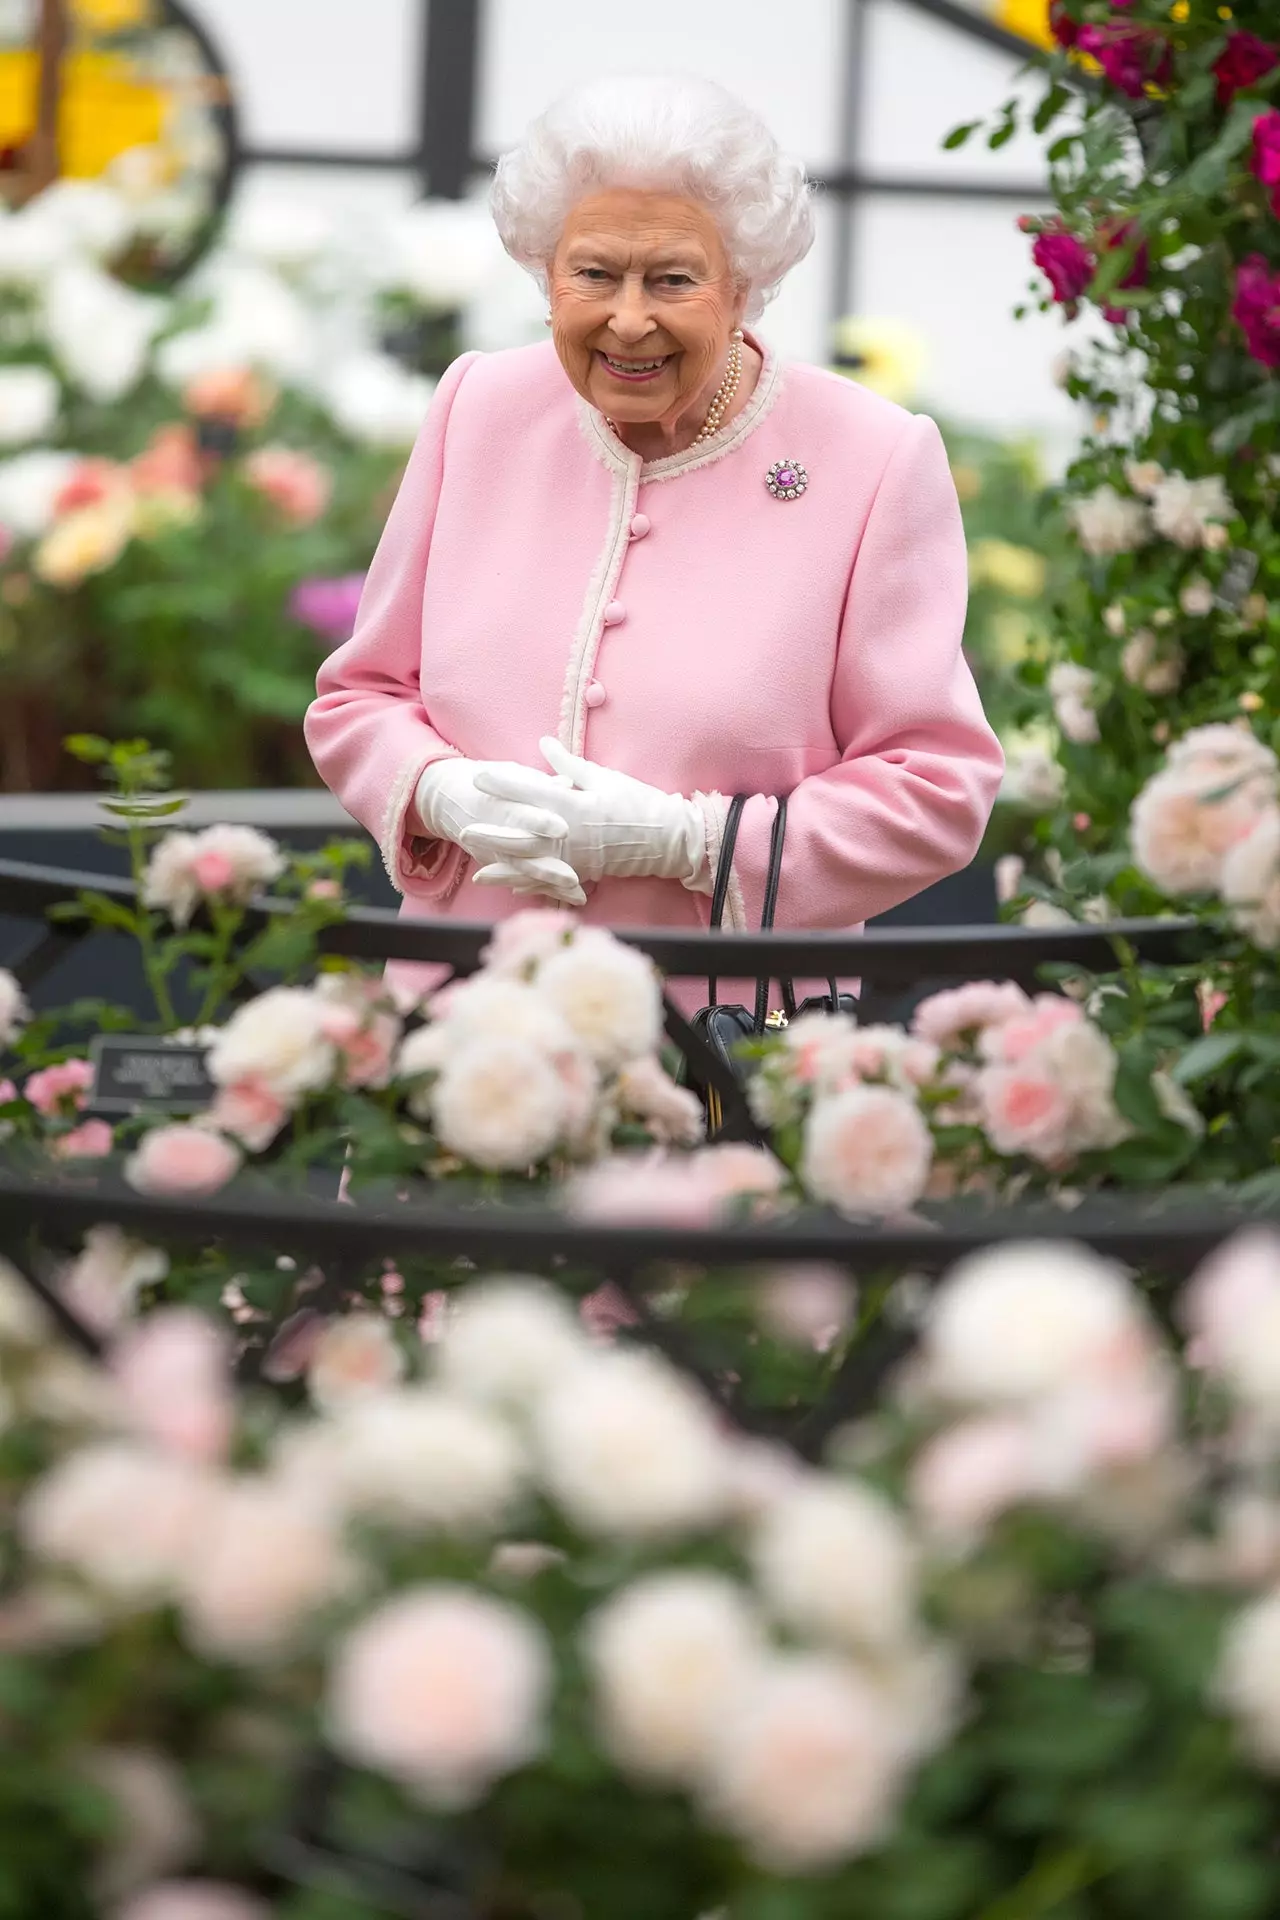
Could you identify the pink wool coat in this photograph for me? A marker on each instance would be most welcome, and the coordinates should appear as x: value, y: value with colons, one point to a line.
x: 677, y: 622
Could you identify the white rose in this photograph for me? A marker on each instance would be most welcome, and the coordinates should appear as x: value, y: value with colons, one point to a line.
x: 100, y: 331
x: 418, y: 1458
x: 1183, y: 509
x: 499, y: 1104
x: 31, y: 247
x: 442, y: 252
x: 669, y: 1657
x: 867, y: 1151
x: 1014, y: 1324
x: 376, y: 400
x: 29, y: 487
x: 24, y: 1321
x: 223, y: 862
x: 1034, y: 779
x: 1144, y: 476
x: 834, y: 1561
x: 484, y: 1008
x: 442, y: 1688
x: 353, y: 1356
x: 1144, y: 664
x: 1248, y: 1677
x: 672, y: 1114
x: 30, y: 398
x: 124, y: 1517
x: 807, y: 1772
x: 1106, y: 522
x: 102, y: 1285
x: 629, y: 1448
x: 93, y: 219
x: 281, y: 233
x: 508, y: 1341
x: 1196, y: 596
x: 609, y: 994
x: 14, y: 1011
x: 277, y: 1040
x: 1188, y: 818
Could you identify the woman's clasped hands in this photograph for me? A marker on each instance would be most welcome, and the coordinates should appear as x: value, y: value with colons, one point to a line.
x: 549, y: 833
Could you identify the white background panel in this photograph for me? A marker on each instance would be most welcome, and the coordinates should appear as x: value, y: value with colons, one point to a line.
x: 784, y: 60
x: 321, y: 73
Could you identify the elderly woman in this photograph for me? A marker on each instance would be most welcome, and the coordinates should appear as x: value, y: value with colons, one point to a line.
x: 646, y: 566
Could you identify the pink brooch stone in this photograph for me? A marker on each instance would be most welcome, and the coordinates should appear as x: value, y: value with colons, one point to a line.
x: 786, y: 479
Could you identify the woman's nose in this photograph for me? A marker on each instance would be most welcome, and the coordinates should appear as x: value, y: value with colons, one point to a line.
x: 631, y: 319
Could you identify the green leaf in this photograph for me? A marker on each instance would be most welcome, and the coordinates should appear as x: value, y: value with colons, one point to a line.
x: 958, y: 135
x: 88, y: 748
x: 1002, y: 136
x: 1205, y: 1056
x: 1050, y: 107
x: 1134, y: 1093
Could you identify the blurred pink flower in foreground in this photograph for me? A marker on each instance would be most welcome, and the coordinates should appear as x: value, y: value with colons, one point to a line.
x: 328, y: 606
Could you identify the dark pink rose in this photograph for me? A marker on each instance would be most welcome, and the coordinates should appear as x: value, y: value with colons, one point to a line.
x: 1243, y: 60
x: 1132, y: 58
x: 1065, y: 30
x: 1256, y: 309
x: 1266, y: 153
x: 1065, y: 262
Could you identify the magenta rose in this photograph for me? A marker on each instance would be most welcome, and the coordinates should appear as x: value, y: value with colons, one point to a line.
x: 1065, y: 262
x: 1266, y: 154
x: 1256, y: 309
x: 1064, y: 29
x: 328, y: 607
x: 1132, y: 58
x: 1243, y: 60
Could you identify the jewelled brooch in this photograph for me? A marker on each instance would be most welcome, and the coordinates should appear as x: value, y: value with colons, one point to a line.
x: 786, y: 479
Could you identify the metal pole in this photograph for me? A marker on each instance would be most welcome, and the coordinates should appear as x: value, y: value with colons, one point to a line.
x: 43, y: 157
x: 447, y: 100
x: 843, y: 271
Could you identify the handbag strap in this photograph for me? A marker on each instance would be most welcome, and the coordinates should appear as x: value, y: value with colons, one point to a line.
x: 724, y: 871
x: 773, y: 880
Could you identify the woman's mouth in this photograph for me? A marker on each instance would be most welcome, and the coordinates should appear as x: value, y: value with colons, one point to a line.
x: 633, y: 369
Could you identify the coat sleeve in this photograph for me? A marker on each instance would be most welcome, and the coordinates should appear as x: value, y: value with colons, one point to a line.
x: 368, y: 730
x: 910, y: 797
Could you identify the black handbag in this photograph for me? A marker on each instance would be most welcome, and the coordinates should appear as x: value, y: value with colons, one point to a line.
x: 724, y: 1028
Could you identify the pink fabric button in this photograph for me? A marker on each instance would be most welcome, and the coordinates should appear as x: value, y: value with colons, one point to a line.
x: 595, y: 694
x: 614, y: 614
x: 640, y: 524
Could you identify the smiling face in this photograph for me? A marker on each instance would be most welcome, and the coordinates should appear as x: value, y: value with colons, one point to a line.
x: 643, y: 306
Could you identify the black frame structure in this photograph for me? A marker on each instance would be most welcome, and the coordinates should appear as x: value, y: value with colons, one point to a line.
x: 444, y: 158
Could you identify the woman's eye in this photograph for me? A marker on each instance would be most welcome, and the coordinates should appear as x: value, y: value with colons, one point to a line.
x: 677, y: 280
x: 594, y: 274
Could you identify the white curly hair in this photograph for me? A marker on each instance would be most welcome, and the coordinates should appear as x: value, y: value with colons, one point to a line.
x: 671, y: 134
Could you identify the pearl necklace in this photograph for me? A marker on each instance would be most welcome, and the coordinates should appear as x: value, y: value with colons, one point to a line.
x: 721, y: 400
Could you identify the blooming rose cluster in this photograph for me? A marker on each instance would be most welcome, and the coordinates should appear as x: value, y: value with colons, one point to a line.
x: 1192, y: 514
x: 1209, y: 823
x: 222, y: 863
x: 790, y: 1704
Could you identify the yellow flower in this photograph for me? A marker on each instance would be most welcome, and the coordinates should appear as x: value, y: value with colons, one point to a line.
x: 1011, y: 632
x: 884, y: 355
x: 164, y: 509
x: 1014, y: 570
x: 112, y: 16
x: 1029, y: 19
x: 89, y: 540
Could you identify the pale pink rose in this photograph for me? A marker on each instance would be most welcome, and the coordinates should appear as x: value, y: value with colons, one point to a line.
x: 297, y: 486
x: 91, y: 1140
x: 173, y: 1372
x: 193, y: 1900
x: 102, y: 1285
x: 1010, y: 871
x: 60, y: 1091
x: 443, y: 1688
x: 805, y: 1305
x: 585, y: 1118
x: 14, y: 1011
x: 223, y: 862
x: 1191, y: 814
x: 365, y: 1044
x: 499, y: 1104
x: 248, y: 1111
x: 1024, y: 1109
x: 739, y: 1172
x: 1250, y: 880
x: 867, y: 1151
x: 182, y: 1160
x: 263, y: 1564
x: 1014, y: 1038
x: 886, y: 1053
x: 642, y: 1190
x: 609, y: 994
x: 353, y: 1357
x: 605, y: 1312
x: 323, y: 890
x: 807, y: 1769
x: 520, y: 943
x: 971, y: 1473
x: 819, y: 1050
x: 1231, y: 1310
x: 672, y: 1114
x: 276, y: 1041
x: 960, y: 1012
x: 1211, y: 1001
x: 123, y: 1516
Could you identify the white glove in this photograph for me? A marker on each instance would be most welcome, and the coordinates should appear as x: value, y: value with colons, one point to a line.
x: 455, y: 797
x: 616, y: 826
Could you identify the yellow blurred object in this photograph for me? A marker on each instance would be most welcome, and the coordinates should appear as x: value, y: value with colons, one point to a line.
x: 112, y: 16
x: 105, y: 109
x: 1012, y: 633
x: 884, y: 355
x: 1014, y: 570
x: 1180, y: 11
x: 968, y: 481
x: 1029, y: 19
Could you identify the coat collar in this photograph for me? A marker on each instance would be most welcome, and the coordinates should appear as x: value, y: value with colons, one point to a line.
x: 619, y: 459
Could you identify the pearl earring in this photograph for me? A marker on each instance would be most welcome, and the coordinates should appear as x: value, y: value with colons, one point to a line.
x: 547, y: 321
